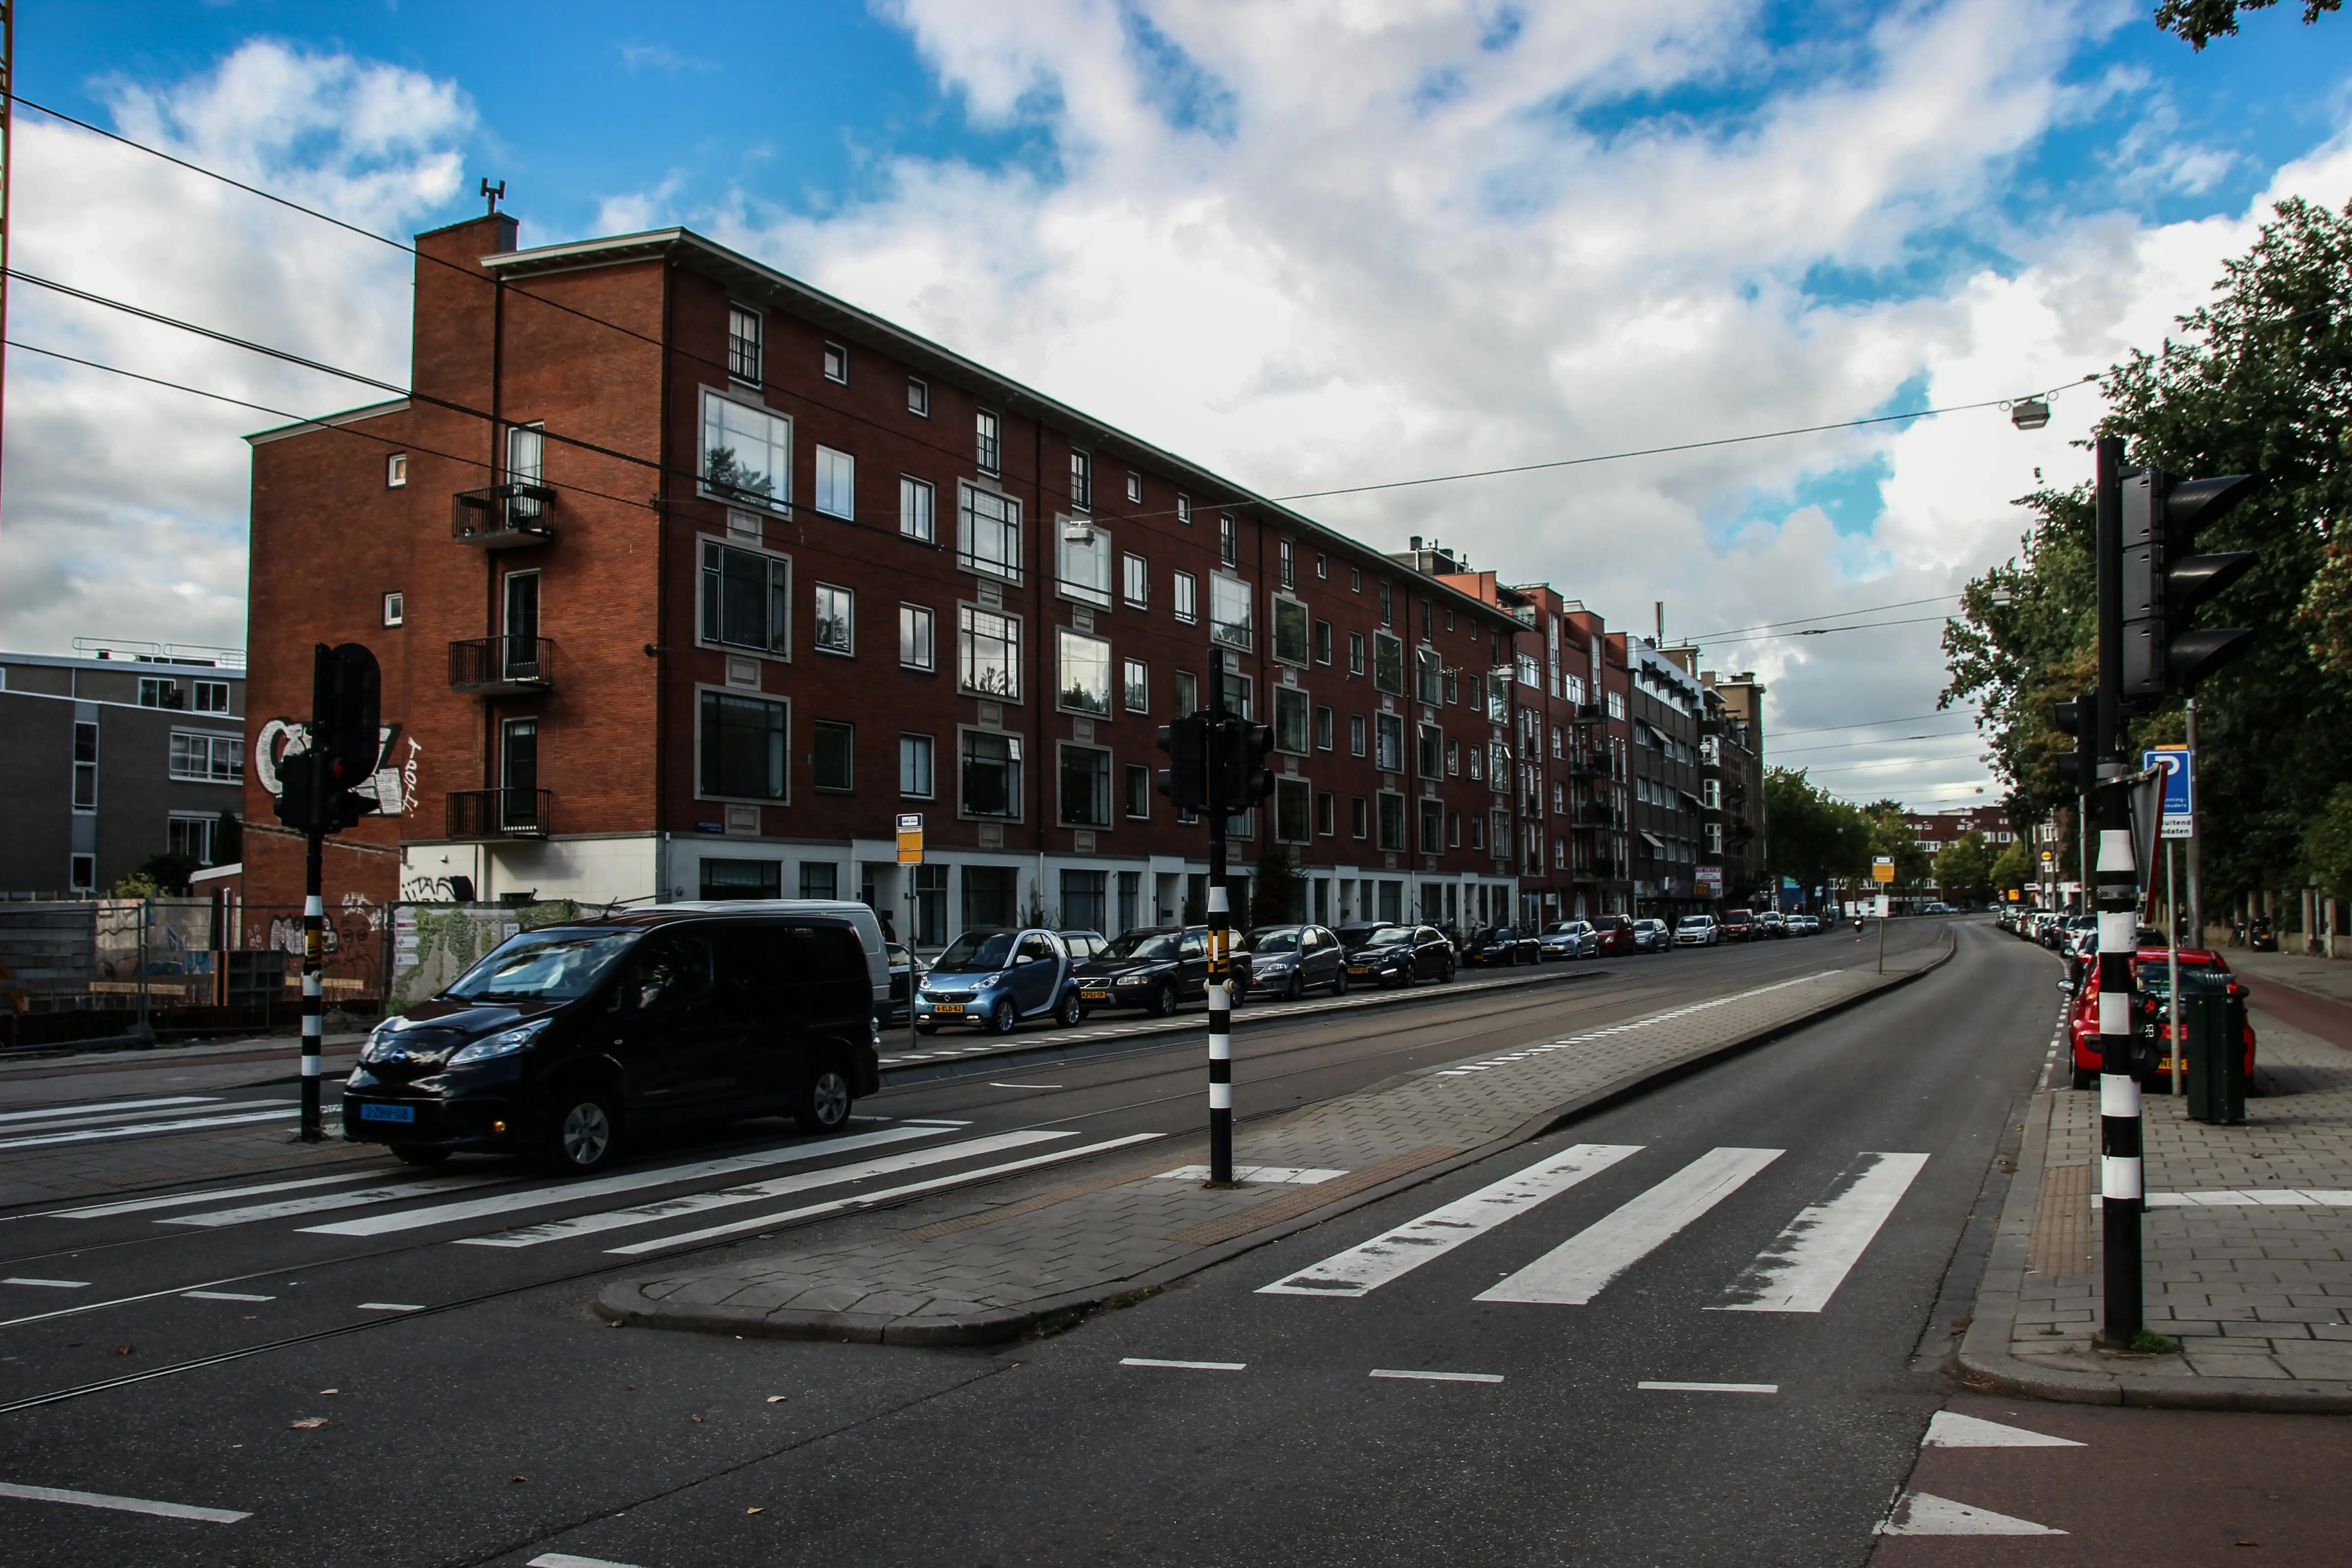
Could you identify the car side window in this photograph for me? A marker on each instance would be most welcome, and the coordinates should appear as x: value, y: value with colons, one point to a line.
x: 673, y: 970
x: 1196, y: 946
x: 1036, y: 947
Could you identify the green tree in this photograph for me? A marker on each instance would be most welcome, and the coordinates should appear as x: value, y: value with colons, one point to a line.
x: 1815, y: 836
x: 1961, y: 870
x: 158, y: 877
x: 1890, y: 835
x: 2201, y: 21
x: 2015, y: 868
x: 2327, y: 845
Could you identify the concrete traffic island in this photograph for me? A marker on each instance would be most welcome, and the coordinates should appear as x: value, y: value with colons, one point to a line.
x: 960, y: 1272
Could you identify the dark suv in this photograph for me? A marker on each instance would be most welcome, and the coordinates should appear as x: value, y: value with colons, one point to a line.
x: 571, y: 1039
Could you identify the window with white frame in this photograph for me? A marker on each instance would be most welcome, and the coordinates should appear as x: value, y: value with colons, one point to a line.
x: 915, y: 766
x: 743, y: 334
x: 1134, y: 487
x: 1428, y: 675
x: 1229, y: 611
x: 1711, y: 794
x: 395, y: 609
x: 1322, y: 642
x: 833, y: 763
x: 202, y: 756
x: 1290, y: 710
x: 1184, y: 510
x: 1135, y: 580
x: 747, y: 453
x: 1322, y: 729
x: 1286, y: 557
x: 212, y: 696
x: 1388, y: 751
x: 836, y: 363
x: 1135, y: 686
x: 746, y: 599
x: 917, y: 502
x: 160, y: 691
x: 916, y: 647
x: 1084, y: 794
x: 85, y: 767
x: 1715, y: 838
x: 1229, y: 539
x: 988, y: 653
x: 1355, y: 653
x: 990, y: 772
x: 1083, y: 567
x: 1387, y: 663
x: 396, y: 470
x: 1391, y: 821
x: 1431, y: 749
x: 1186, y: 589
x: 1083, y: 682
x: 1616, y: 705
x: 192, y: 835
x: 1498, y: 764
x: 1452, y: 759
x: 919, y: 398
x: 1187, y: 691
x: 1082, y: 481
x: 837, y: 619
x: 1355, y: 734
x: 1290, y: 630
x: 836, y: 484
x: 989, y: 540
x: 988, y: 446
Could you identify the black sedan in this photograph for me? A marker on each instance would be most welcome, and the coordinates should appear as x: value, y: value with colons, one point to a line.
x: 1497, y: 946
x: 1291, y: 960
x: 1396, y: 954
x: 1154, y: 968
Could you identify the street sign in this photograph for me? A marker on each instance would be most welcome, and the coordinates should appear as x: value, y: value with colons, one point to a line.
x: 2047, y: 857
x: 2179, y: 767
x: 1881, y: 868
x: 1709, y: 880
x: 910, y: 839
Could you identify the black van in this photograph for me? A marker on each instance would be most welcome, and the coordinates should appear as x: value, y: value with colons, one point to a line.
x: 568, y: 1038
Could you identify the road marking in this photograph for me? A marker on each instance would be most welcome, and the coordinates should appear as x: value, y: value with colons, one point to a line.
x: 1393, y: 1254
x: 351, y: 1198
x: 1710, y: 1387
x: 392, y: 1305
x: 1581, y: 1268
x: 565, y: 1560
x: 1950, y: 1429
x: 175, y: 1200
x: 222, y: 1296
x: 1808, y: 1260
x: 783, y: 1186
x: 1643, y: 1023
x: 1438, y: 1376
x: 1025, y: 1086
x: 123, y: 1504
x: 108, y: 1109
x: 51, y: 1284
x: 1272, y: 1176
x: 138, y: 1127
x: 1183, y: 1365
x: 1923, y: 1513
x: 127, y: 1300
x: 864, y: 1200
x: 601, y: 1186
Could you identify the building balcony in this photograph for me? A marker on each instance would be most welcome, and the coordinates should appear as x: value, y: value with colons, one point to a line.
x: 500, y: 813
x: 502, y: 517
x: 1588, y: 765
x: 1588, y: 713
x: 1593, y: 814
x: 500, y: 667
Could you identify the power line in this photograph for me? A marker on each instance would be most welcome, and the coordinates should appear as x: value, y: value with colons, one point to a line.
x: 1866, y: 724
x: 1882, y: 741
x: 1825, y: 616
x: 1824, y: 631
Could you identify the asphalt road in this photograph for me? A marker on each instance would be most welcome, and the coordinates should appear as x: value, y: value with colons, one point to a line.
x: 170, y: 1362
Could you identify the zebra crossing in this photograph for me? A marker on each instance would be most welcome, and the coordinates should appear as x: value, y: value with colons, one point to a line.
x: 101, y: 1121
x: 1799, y: 1271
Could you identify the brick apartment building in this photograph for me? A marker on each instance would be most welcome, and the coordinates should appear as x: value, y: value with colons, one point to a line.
x: 1938, y: 830
x: 687, y: 578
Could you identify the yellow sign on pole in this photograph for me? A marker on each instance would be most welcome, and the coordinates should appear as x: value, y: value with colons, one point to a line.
x: 910, y: 839
x: 1882, y: 869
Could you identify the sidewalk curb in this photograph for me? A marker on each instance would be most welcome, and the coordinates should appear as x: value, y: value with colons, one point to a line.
x: 620, y: 1304
x: 1983, y: 1356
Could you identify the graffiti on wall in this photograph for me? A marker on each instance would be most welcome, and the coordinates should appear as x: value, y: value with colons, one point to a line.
x: 392, y: 785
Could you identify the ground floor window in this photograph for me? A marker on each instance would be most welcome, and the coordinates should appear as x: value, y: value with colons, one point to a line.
x: 820, y: 880
x: 931, y: 888
x: 1083, y: 906
x: 742, y: 878
x: 991, y: 894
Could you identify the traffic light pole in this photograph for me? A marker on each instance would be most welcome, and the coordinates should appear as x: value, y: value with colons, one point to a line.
x: 314, y: 937
x: 2120, y: 1191
x: 1220, y: 1006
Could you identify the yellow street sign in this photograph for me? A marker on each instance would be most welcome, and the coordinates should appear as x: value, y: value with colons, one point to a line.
x: 910, y: 839
x: 1882, y: 869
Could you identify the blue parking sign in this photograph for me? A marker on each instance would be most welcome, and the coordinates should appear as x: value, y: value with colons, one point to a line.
x: 2179, y: 788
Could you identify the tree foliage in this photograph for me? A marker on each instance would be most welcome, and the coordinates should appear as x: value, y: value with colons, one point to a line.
x: 1815, y: 836
x: 2260, y: 382
x: 1962, y: 871
x: 2015, y: 868
x: 2201, y: 21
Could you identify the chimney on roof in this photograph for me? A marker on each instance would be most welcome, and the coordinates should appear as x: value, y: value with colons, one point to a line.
x: 1662, y: 623
x: 1415, y: 541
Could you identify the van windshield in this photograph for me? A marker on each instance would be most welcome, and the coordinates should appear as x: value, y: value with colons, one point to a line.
x: 543, y: 966
x: 977, y: 950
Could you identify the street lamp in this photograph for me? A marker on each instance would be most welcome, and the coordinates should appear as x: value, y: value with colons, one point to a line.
x: 2029, y: 414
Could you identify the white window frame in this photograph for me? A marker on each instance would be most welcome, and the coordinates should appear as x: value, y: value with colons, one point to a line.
x: 211, y: 696
x: 1387, y: 728
x: 918, y: 397
x: 1186, y: 592
x: 1020, y: 761
x: 395, y: 471
x: 1292, y: 707
x: 206, y: 757
x: 1082, y: 562
x: 988, y: 441
x: 1134, y: 487
x: 395, y: 609
x: 737, y: 316
x: 1286, y: 607
x: 1229, y: 598
x: 928, y: 749
x: 779, y: 496
x: 847, y: 620
x: 1135, y: 685
x: 919, y: 627
x: 1135, y: 579
x: 836, y: 363
x: 918, y: 510
x: 968, y: 617
x: 1094, y: 650
x: 1185, y: 509
x: 1082, y: 479
x: 837, y: 483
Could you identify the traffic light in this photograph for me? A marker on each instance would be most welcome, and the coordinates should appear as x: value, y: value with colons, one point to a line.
x: 1185, y: 780
x: 1242, y: 758
x: 318, y: 786
x: 2079, y: 719
x: 2164, y: 653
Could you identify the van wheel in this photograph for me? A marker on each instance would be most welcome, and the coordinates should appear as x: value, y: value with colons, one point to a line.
x: 583, y: 1131
x: 821, y: 1104
x: 414, y: 1155
x: 1163, y: 1001
x: 1001, y: 1018
x: 1072, y: 1012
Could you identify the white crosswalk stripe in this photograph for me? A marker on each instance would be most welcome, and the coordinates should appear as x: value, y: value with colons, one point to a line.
x: 1393, y: 1254
x: 105, y: 1108
x: 212, y: 1195
x: 1808, y: 1261
x: 1581, y: 1268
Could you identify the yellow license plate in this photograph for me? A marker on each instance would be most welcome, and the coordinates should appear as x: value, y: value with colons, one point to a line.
x: 946, y: 1006
x: 1094, y: 995
x: 1358, y: 969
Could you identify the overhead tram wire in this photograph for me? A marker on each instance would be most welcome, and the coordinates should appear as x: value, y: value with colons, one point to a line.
x: 1825, y: 616
x: 1869, y: 724
x: 1044, y: 488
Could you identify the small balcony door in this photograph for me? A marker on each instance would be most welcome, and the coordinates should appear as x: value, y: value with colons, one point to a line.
x: 526, y: 458
x: 519, y: 658
x: 518, y: 774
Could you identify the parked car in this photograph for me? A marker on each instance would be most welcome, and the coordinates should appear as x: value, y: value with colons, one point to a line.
x: 1771, y: 923
x: 1652, y: 936
x: 1500, y: 945
x: 1616, y: 933
x: 1697, y: 931
x: 1804, y: 925
x: 574, y: 1038
x: 1291, y: 960
x: 997, y: 977
x: 1738, y: 925
x: 907, y: 972
x: 1155, y: 968
x: 2152, y: 1029
x: 1082, y: 945
x: 1388, y: 954
x: 1570, y: 938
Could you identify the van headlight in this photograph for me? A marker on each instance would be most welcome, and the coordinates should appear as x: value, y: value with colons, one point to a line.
x: 505, y: 1044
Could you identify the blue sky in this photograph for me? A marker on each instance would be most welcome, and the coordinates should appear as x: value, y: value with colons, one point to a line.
x: 1468, y: 237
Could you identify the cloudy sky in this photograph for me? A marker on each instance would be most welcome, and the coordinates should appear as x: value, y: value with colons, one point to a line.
x: 1313, y: 246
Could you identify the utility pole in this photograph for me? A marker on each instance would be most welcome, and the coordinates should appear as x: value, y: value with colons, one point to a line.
x: 2120, y: 1189
x: 1221, y: 1005
x: 2196, y: 845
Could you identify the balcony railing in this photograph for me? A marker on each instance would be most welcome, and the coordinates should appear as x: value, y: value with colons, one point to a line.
x: 500, y: 667
x: 500, y: 813
x: 1588, y: 713
x: 502, y: 517
x: 1593, y: 814
x: 1588, y: 765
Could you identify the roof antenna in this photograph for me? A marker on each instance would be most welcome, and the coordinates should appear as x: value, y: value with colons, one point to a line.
x: 493, y: 195
x: 1662, y: 623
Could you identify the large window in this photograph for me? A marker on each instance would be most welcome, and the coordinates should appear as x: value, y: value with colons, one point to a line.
x: 1290, y: 631
x: 915, y: 766
x: 1229, y: 611
x: 1498, y: 764
x: 1388, y: 753
x: 1086, y: 787
x: 192, y: 835
x: 990, y: 542
x: 1290, y: 707
x: 837, y: 619
x: 1188, y: 603
x: 990, y: 895
x: 835, y: 758
x: 1083, y: 683
x: 743, y: 343
x: 1084, y: 572
x: 917, y: 503
x: 988, y: 653
x: 731, y: 878
x: 198, y: 756
x: 1392, y: 822
x: 747, y: 453
x: 991, y: 774
x: 743, y: 746
x: 1387, y: 663
x: 1293, y: 808
x: 916, y: 650
x: 746, y: 599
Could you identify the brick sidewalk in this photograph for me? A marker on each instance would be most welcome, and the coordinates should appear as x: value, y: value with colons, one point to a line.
x: 963, y: 1269
x: 2248, y: 1248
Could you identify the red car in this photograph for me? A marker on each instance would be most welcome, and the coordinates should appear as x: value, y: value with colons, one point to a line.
x: 1616, y: 933
x: 1738, y: 925
x: 2155, y: 1020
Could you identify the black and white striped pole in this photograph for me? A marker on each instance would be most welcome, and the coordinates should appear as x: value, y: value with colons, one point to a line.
x: 314, y: 937
x: 1221, y: 968
x: 2120, y: 1189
